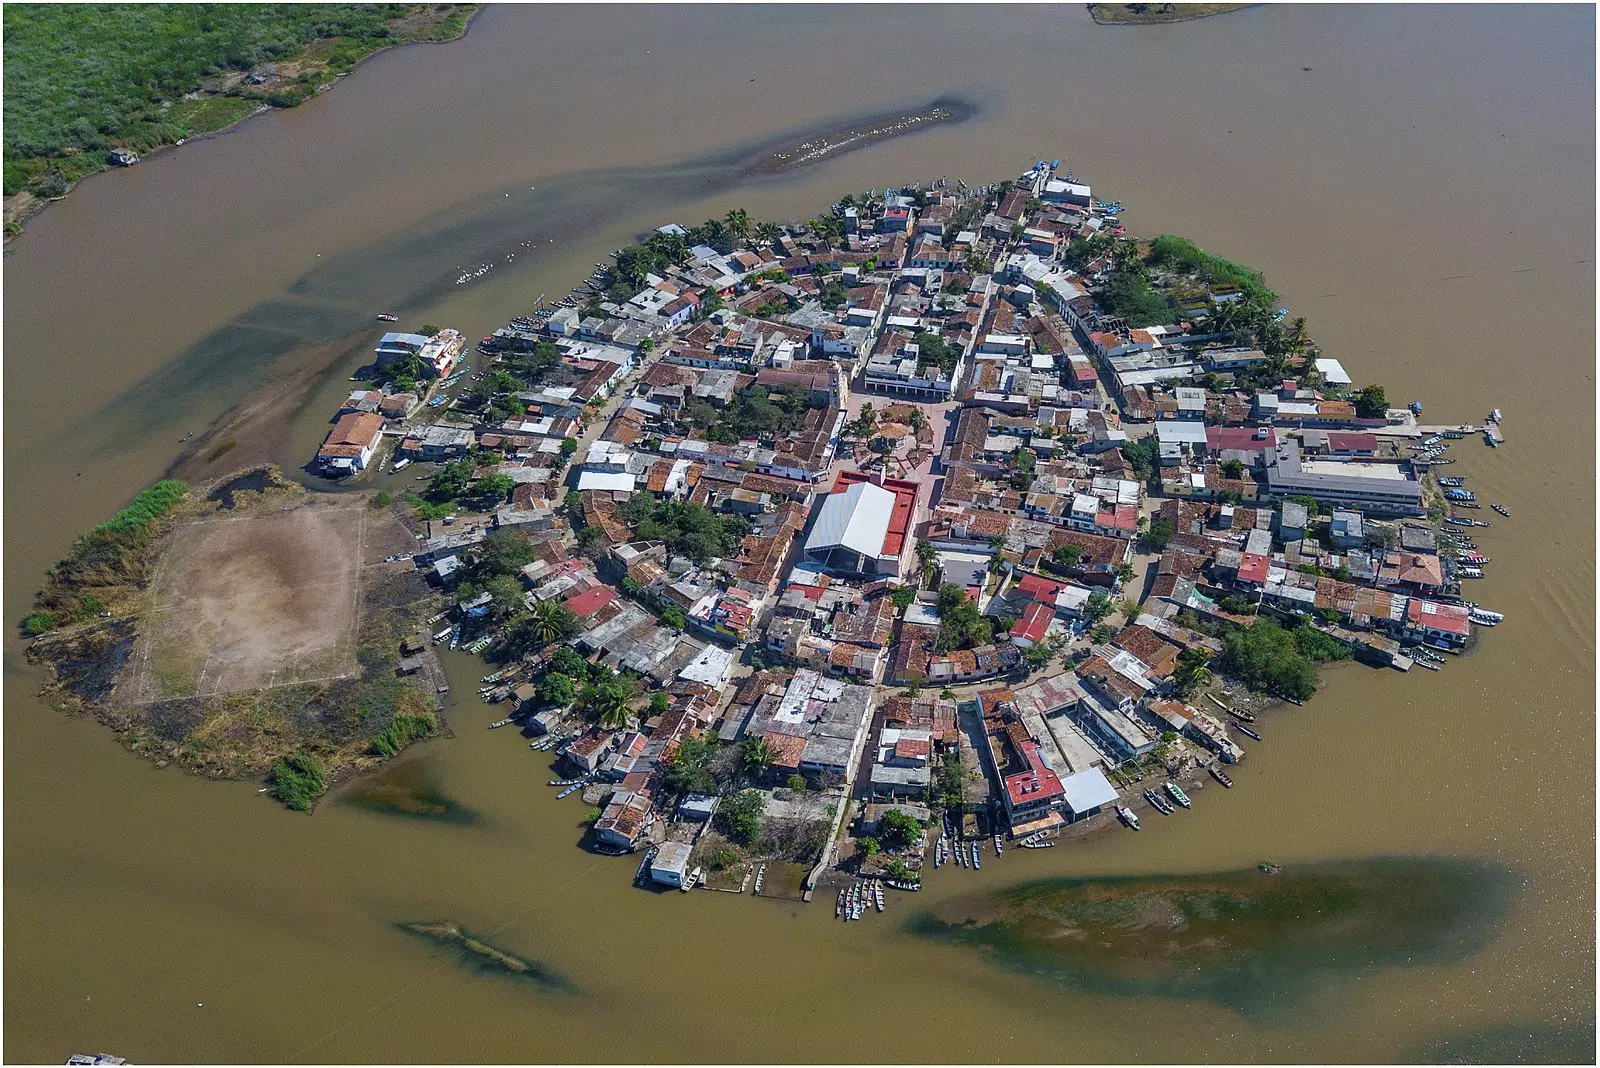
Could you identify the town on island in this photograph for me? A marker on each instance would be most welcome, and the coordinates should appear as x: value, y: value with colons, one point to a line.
x: 819, y: 556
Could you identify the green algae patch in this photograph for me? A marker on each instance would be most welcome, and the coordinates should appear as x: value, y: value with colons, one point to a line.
x: 1243, y: 939
x: 1529, y: 1043
x: 477, y: 955
x: 409, y: 790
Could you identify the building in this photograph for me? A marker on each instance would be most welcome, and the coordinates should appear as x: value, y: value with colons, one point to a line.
x: 1384, y: 488
x: 351, y: 443
x: 861, y: 527
x: 1085, y: 793
x: 395, y: 346
x: 671, y: 864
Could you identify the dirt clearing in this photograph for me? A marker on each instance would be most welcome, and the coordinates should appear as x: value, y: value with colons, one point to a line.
x: 243, y: 602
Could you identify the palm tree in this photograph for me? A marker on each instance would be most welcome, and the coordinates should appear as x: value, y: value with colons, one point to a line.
x: 548, y: 622
x: 927, y: 555
x: 768, y: 232
x: 756, y: 755
x: 738, y: 221
x: 1297, y: 334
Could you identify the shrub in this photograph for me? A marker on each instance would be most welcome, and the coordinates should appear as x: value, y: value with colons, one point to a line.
x: 298, y: 780
x: 400, y: 733
x: 38, y: 623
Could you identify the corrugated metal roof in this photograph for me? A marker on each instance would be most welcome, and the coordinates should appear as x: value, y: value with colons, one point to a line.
x: 857, y: 519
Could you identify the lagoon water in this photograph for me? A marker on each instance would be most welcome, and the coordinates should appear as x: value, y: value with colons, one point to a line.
x: 1423, y: 195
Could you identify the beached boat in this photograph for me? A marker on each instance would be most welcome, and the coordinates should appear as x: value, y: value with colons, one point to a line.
x: 689, y: 883
x: 1248, y: 732
x: 1221, y: 776
x: 401, y: 465
x: 1037, y: 845
x: 1158, y: 802
x: 997, y: 845
x: 1125, y: 814
x: 877, y: 896
x: 977, y: 861
x: 1241, y: 714
x: 838, y: 908
x: 1178, y: 795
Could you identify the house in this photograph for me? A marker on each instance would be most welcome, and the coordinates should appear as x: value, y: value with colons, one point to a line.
x: 395, y: 346
x: 1437, y: 624
x: 1031, y: 629
x: 349, y: 446
x: 588, y: 750
x: 902, y: 765
x: 1345, y: 529
x: 623, y: 820
x: 861, y: 527
x: 671, y: 864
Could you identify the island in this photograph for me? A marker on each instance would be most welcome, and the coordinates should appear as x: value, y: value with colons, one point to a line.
x: 809, y: 556
x: 90, y: 87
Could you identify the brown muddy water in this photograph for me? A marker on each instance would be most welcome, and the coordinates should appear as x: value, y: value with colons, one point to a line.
x: 1424, y: 195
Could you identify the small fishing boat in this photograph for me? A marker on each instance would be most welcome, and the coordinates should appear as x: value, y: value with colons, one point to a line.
x: 1494, y: 416
x: 689, y: 883
x: 1427, y: 664
x: 1037, y: 845
x: 442, y: 635
x: 401, y: 465
x: 1484, y: 616
x: 1471, y: 572
x: 501, y: 723
x: 644, y: 865
x: 1501, y: 509
x: 1241, y: 714
x: 997, y: 845
x: 977, y: 861
x: 1221, y: 776
x: 1158, y: 802
x: 1458, y: 521
x: 455, y: 635
x: 1125, y: 814
x: 838, y: 908
x: 1178, y: 795
x: 385, y: 317
x: 877, y: 896
x: 1249, y: 732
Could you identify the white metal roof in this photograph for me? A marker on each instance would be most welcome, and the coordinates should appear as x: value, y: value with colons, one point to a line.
x: 856, y: 519
x: 1087, y: 790
x: 605, y: 480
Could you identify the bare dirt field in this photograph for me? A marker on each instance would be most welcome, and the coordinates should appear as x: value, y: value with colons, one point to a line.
x: 247, y: 601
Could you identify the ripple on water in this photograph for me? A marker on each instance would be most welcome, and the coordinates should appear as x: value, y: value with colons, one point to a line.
x: 1249, y: 941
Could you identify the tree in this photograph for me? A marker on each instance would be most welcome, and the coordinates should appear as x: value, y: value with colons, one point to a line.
x: 869, y: 846
x: 556, y: 690
x: 1102, y: 634
x: 573, y: 503
x: 757, y: 754
x: 569, y: 662
x: 552, y: 621
x: 673, y: 617
x: 1097, y: 607
x: 506, y: 596
x: 610, y: 701
x: 1038, y: 655
x: 495, y: 485
x: 797, y: 783
x: 1159, y: 532
x: 1233, y: 468
x: 501, y: 552
x: 1067, y: 555
x: 568, y: 447
x: 738, y: 221
x: 1371, y: 403
x: 450, y: 480
x: 897, y: 830
x: 688, y: 770
x: 903, y: 596
x: 927, y: 555
x: 1124, y: 572
x: 739, y: 816
x: 659, y: 702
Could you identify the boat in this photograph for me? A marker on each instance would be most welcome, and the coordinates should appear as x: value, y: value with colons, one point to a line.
x: 1489, y: 440
x: 1221, y: 776
x: 401, y: 465
x: 455, y: 635
x: 1125, y: 814
x: 1484, y: 616
x: 1178, y: 795
x: 385, y: 317
x: 442, y: 635
x: 997, y: 845
x: 1494, y: 416
x: 1242, y: 715
x: 1471, y: 572
x: 1502, y: 510
x: 1416, y: 407
x: 838, y: 908
x: 1248, y: 732
x: 503, y: 723
x: 689, y: 883
x: 1430, y: 665
x: 1458, y: 521
x: 877, y: 896
x: 977, y: 861
x: 1158, y: 802
x: 644, y: 865
x: 570, y: 789
x: 435, y: 402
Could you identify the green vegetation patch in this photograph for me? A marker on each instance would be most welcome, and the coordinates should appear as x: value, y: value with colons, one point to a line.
x: 84, y: 78
x: 1245, y: 940
x: 474, y: 953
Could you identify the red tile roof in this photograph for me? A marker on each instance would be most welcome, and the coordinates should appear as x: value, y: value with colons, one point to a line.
x: 589, y: 602
x: 1034, y: 622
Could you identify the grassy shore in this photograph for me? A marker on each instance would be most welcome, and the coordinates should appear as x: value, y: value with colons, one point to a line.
x: 1141, y: 14
x: 82, y: 80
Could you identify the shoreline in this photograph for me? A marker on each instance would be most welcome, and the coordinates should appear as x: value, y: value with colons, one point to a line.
x: 22, y: 206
